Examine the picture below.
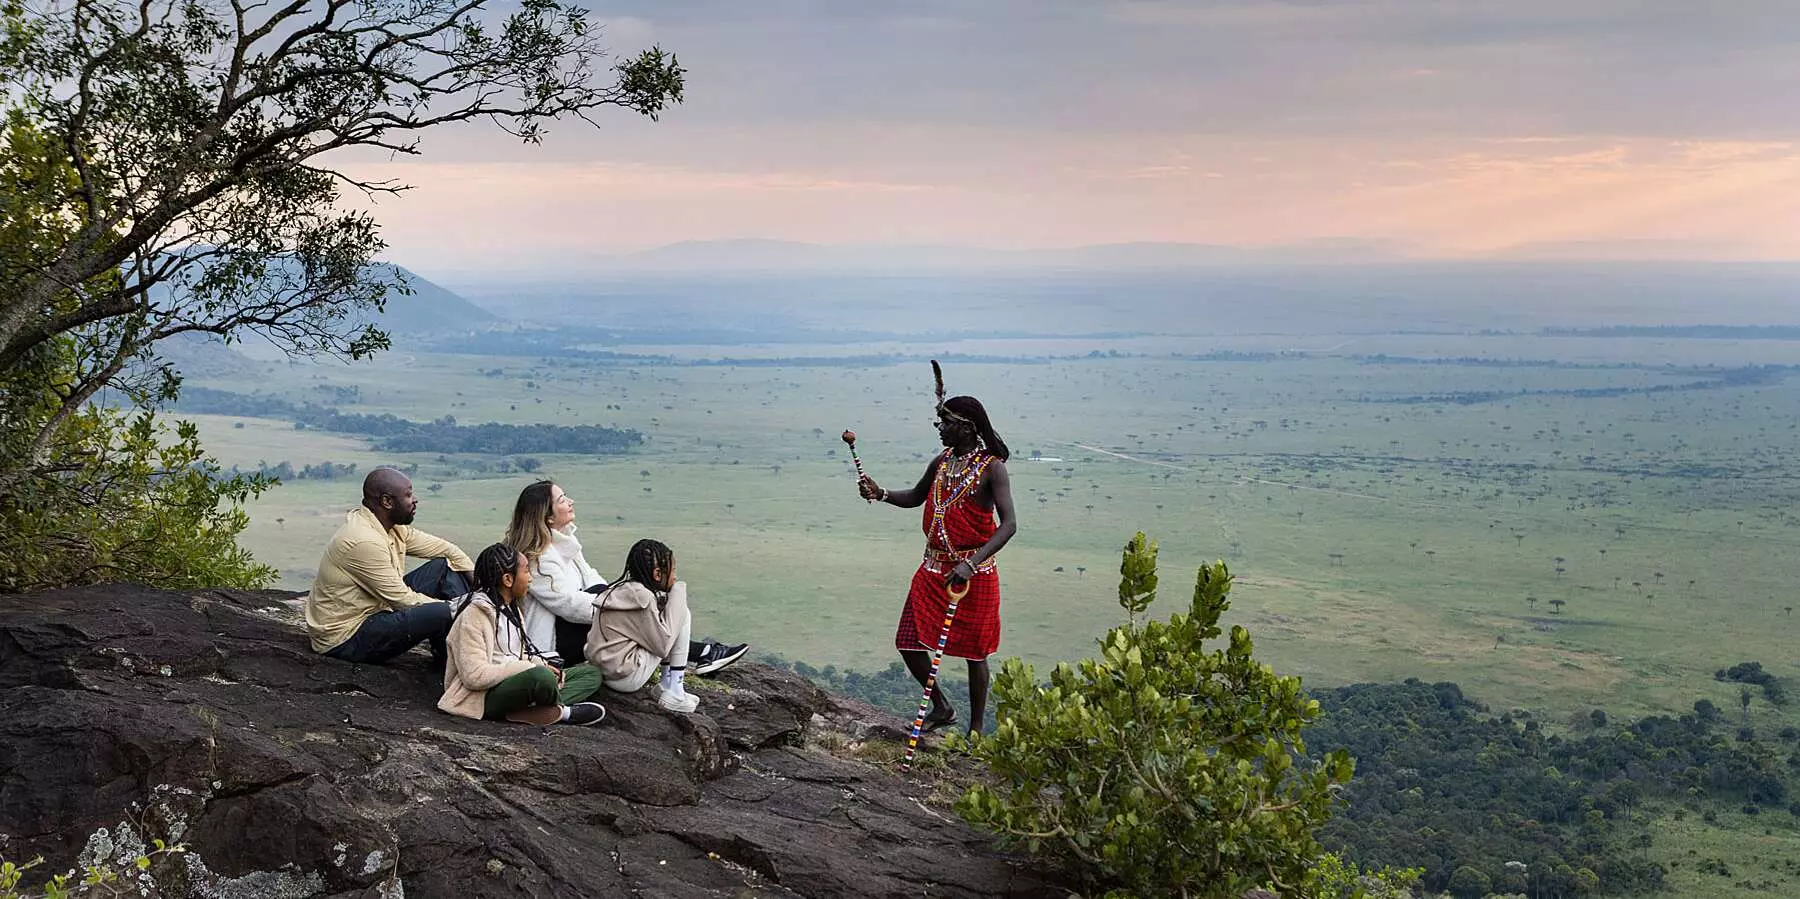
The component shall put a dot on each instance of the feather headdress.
(937, 377)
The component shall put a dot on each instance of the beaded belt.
(940, 562)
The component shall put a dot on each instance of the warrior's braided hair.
(969, 409)
(645, 557)
(494, 563)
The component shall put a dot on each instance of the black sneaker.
(714, 657)
(585, 713)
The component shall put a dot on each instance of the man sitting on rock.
(362, 608)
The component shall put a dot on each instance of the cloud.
(1499, 66)
(1449, 198)
(1465, 127)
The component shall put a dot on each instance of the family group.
(527, 631)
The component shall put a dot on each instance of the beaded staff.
(850, 438)
(937, 658)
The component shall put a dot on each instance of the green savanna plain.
(1372, 539)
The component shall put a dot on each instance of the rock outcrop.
(128, 714)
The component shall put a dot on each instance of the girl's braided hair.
(495, 563)
(642, 562)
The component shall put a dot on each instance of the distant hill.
(205, 356)
(757, 254)
(1633, 250)
(760, 253)
(431, 309)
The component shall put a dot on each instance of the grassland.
(1373, 540)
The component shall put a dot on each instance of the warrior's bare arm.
(998, 488)
(905, 499)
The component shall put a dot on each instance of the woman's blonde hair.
(529, 532)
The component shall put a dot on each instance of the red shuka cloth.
(966, 526)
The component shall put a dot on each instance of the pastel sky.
(1449, 128)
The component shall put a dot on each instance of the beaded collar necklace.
(951, 486)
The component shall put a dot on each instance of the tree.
(1469, 883)
(1705, 710)
(1558, 604)
(176, 159)
(1124, 765)
(118, 497)
(166, 169)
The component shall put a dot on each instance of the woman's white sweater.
(559, 590)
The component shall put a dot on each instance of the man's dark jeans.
(388, 634)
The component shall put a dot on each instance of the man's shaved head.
(388, 493)
(391, 481)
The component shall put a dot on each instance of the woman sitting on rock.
(642, 622)
(559, 609)
(494, 671)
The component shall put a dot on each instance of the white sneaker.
(678, 701)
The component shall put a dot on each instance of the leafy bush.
(1333, 877)
(131, 501)
(1161, 768)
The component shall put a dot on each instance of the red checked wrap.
(956, 526)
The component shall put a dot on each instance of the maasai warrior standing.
(968, 517)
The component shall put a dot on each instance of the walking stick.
(937, 657)
(850, 438)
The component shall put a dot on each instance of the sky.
(1435, 128)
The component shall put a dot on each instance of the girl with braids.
(560, 606)
(968, 517)
(493, 670)
(641, 622)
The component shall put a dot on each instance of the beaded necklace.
(949, 487)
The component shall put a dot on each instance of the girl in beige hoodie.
(641, 622)
(493, 671)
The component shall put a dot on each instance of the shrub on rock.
(1162, 767)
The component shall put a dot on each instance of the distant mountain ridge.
(430, 309)
(768, 254)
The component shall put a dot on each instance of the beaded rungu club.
(850, 439)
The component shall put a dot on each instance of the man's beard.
(404, 515)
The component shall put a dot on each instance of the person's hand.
(957, 575)
(559, 678)
(869, 489)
